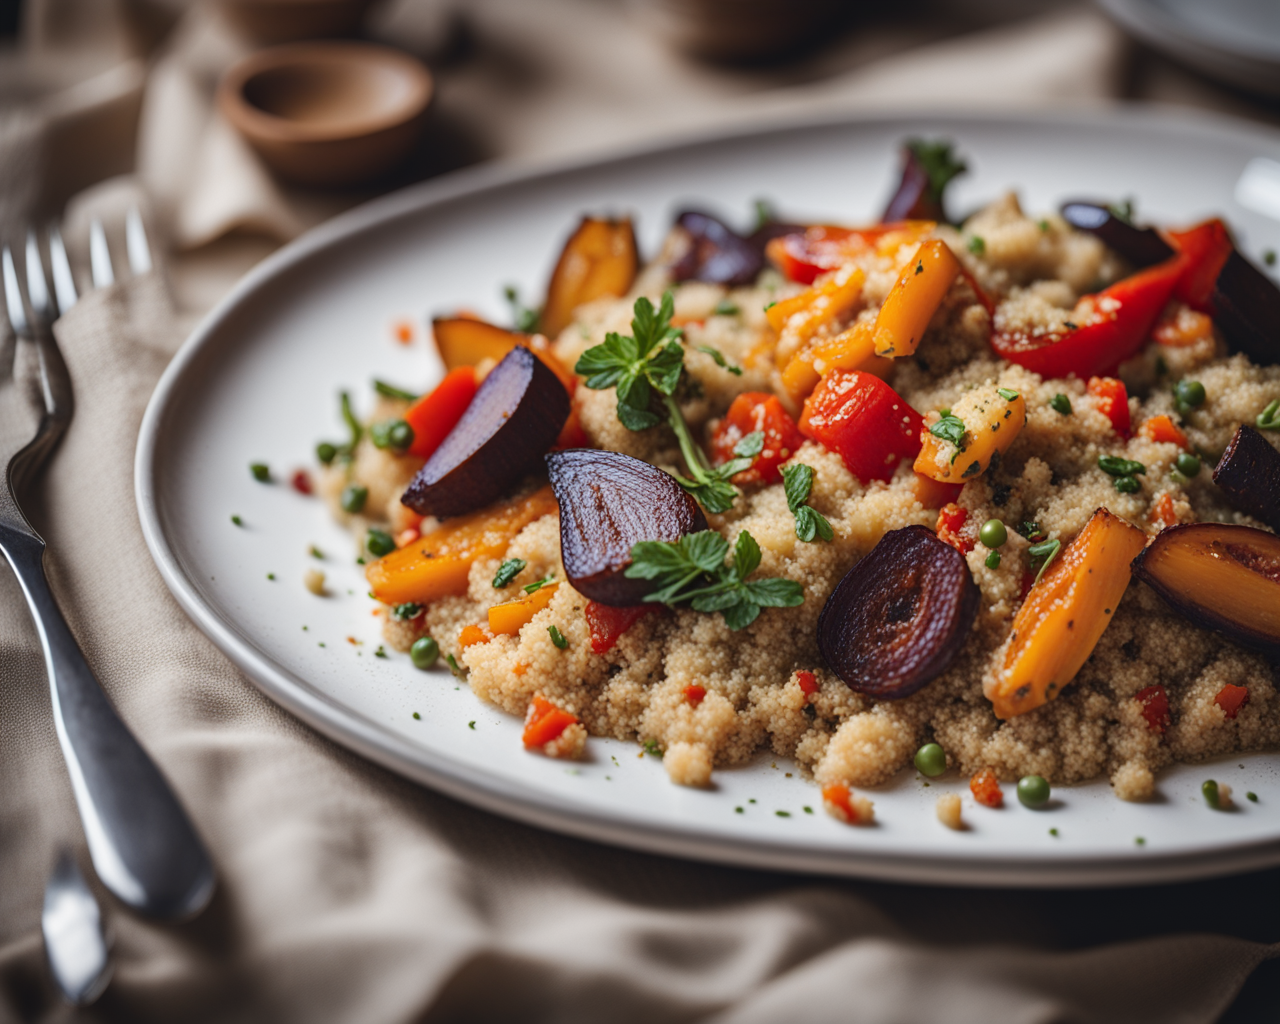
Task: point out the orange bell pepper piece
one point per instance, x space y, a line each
1065 614
1162 428
544 722
509 617
914 299
437 565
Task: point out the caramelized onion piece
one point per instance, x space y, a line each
1249 475
1219 576
899 616
1142 247
1246 306
600 258
608 502
513 421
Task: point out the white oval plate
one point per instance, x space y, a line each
258 381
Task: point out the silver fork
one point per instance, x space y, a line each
141 841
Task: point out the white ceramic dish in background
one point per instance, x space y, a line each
259 380
1234 41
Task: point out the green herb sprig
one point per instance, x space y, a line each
648 364
524 317
391 391
797 482
949 428
536 585
508 571
719 358
693 570
1044 553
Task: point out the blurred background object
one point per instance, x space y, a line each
333 113
284 21
738 29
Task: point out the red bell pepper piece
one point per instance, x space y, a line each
951 521
1113 402
544 722
864 421
752 411
1118 322
803 256
434 415
1231 699
1155 707
607 623
1206 247
808 683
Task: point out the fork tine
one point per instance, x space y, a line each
37 283
12 294
64 285
99 256
135 237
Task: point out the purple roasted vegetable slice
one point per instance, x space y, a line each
1143 247
900 616
608 502
717 254
927 169
1249 475
1247 309
511 423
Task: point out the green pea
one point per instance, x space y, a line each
400 436
261 472
353 498
993 533
1209 789
1189 393
424 652
326 452
1188 465
379 543
1127 484
1033 790
931 760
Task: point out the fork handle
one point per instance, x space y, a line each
143 845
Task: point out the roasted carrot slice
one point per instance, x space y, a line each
599 259
467 341
507 618
437 565
1064 615
914 299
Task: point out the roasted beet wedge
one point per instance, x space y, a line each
899 616
1249 475
510 424
608 502
716 254
927 169
1142 247
1220 576
1247 308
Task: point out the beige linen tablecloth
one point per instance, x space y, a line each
349 895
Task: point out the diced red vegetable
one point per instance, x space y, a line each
1162 428
301 481
1113 402
808 682
985 787
804 256
864 421
752 411
1231 699
1155 707
694 693
1163 512
434 415
544 722
1206 247
607 623
1116 323
950 521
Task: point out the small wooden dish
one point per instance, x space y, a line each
331 113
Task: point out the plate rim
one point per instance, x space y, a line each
531 806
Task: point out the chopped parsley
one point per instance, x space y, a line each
508 571
693 569
557 637
271 576
949 428
536 585
783 814
646 368
1112 465
1251 797
237 520
524 318
977 245
1060 403
797 481
1044 553
261 472
1043 225
381 652
315 552
417 717
391 391
1269 257
651 747
1008 394
718 356
458 671
471 724
726 307
405 612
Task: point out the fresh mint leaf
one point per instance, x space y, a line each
746 555
950 428
715 495
750 446
797 483
1008 394
775 593
637 419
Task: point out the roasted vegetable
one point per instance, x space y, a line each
608 503
899 616
1064 614
607 623
1220 576
465 341
755 411
1247 309
437 565
864 421
973 434
927 169
508 618
511 423
600 258
716 253
914 298
1140 246
804 255
1249 475
434 415
1113 402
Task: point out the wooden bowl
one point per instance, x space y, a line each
327 113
